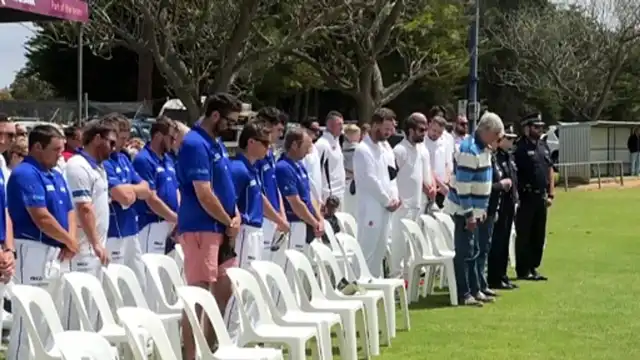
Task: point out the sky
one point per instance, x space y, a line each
12 40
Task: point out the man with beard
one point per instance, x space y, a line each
312 163
7 137
439 148
375 196
414 180
331 158
460 129
87 180
536 191
208 218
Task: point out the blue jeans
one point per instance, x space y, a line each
483 233
464 262
635 164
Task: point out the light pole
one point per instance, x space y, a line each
473 109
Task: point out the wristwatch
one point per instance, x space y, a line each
15 255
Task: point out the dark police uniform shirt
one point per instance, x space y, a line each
160 173
30 185
249 191
496 188
509 170
203 158
293 179
267 172
533 160
122 222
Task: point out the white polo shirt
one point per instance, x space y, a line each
441 155
411 162
87 182
332 166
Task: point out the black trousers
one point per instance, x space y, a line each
440 200
499 253
531 230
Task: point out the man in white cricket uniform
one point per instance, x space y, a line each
44 225
440 153
331 158
311 162
87 182
374 192
414 181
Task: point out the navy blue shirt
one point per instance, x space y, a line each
122 222
32 186
267 170
293 180
248 190
203 158
160 173
3 208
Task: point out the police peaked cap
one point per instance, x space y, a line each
532 119
509 132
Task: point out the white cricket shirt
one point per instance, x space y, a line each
311 162
332 166
411 173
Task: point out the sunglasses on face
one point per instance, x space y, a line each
463 124
21 133
10 135
421 130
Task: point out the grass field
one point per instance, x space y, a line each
589 308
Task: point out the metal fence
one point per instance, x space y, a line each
595 170
66 111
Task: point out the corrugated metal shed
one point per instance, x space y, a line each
575 146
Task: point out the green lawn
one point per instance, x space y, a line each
589 309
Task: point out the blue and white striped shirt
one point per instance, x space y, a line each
471 185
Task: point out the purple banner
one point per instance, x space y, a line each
71 10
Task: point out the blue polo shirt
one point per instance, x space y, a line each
292 180
203 158
267 171
32 186
122 222
248 190
3 208
160 173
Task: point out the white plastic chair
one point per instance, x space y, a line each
119 278
83 345
24 300
512 246
433 231
373 300
178 255
426 259
265 330
348 223
448 227
387 286
270 274
193 297
78 284
354 319
135 320
156 264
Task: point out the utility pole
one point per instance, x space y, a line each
473 110
80 70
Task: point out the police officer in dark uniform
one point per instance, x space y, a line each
536 191
505 194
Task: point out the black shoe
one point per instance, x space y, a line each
537 276
503 285
527 277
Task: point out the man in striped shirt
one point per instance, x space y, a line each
467 202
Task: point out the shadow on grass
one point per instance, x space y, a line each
434 301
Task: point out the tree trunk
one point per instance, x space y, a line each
366 107
145 77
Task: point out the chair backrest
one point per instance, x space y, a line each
178 255
433 231
193 297
348 223
324 256
118 278
448 227
83 345
134 318
302 270
24 299
352 245
156 264
79 284
412 231
244 283
271 273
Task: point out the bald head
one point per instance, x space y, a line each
415 127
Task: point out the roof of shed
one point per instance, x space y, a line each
602 123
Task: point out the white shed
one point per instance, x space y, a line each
595 141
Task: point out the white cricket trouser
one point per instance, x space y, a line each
248 247
153 238
350 203
37 264
373 236
400 245
87 262
126 251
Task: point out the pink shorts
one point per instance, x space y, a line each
201 257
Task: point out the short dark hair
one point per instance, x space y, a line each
412 123
4 118
270 115
383 114
440 121
70 131
293 135
333 114
94 128
43 134
223 103
163 125
306 123
436 110
117 121
284 117
254 130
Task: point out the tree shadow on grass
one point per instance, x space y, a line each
433 301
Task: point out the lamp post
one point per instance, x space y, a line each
473 110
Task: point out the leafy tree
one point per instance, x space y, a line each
28 86
423 37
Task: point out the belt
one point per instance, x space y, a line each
533 191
